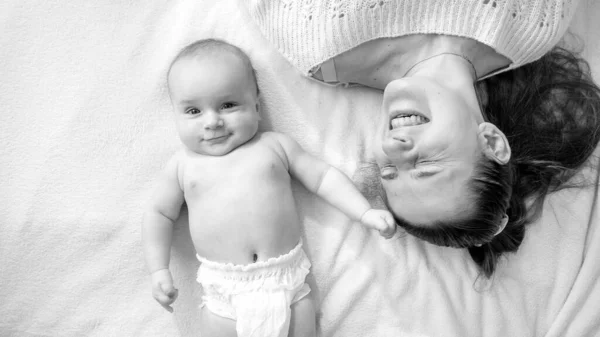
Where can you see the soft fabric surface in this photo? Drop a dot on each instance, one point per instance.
(86, 127)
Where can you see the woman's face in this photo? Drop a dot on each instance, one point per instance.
(429, 147)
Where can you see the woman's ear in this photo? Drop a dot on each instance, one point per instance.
(494, 143)
(502, 224)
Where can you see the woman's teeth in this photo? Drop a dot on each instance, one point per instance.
(412, 120)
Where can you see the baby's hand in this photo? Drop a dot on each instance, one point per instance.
(162, 288)
(380, 220)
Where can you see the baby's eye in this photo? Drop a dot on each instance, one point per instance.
(228, 105)
(192, 111)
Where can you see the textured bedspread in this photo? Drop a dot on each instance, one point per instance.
(86, 125)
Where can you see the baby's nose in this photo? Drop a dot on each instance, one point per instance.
(212, 121)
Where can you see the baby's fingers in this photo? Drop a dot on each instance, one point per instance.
(165, 295)
(388, 233)
(169, 290)
(389, 228)
(166, 300)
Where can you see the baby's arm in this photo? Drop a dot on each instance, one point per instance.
(157, 231)
(336, 188)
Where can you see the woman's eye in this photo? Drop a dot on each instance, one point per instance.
(424, 161)
(420, 174)
(192, 111)
(228, 105)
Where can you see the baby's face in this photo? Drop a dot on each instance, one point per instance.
(215, 102)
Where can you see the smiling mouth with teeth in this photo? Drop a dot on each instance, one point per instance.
(404, 120)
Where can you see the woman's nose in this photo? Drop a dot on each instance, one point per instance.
(404, 143)
(398, 147)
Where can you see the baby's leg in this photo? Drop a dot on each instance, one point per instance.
(303, 320)
(214, 325)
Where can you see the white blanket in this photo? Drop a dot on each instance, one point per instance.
(86, 125)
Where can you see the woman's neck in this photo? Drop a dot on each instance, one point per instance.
(376, 63)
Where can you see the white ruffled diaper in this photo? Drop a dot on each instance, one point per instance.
(258, 295)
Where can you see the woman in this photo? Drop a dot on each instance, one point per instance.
(463, 165)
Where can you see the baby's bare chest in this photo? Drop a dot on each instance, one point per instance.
(233, 174)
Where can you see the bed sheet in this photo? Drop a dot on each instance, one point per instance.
(87, 126)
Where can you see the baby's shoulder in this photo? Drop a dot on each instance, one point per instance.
(179, 157)
(272, 137)
(274, 141)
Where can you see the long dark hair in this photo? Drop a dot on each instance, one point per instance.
(550, 112)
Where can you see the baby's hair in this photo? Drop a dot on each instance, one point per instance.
(550, 112)
(213, 45)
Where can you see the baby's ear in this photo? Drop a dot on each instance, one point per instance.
(494, 143)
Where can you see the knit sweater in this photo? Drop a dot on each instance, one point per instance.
(309, 32)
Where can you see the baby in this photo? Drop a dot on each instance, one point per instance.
(242, 215)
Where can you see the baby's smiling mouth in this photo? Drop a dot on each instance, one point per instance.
(407, 119)
(216, 138)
